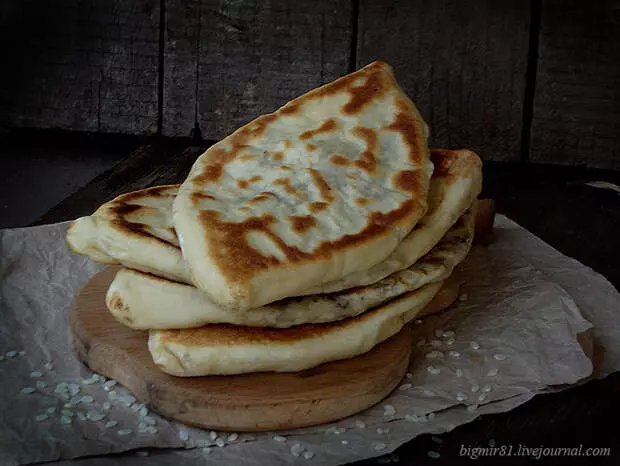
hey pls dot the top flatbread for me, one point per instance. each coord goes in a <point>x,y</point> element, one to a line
<point>326,186</point>
<point>134,229</point>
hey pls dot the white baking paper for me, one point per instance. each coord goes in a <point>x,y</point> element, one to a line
<point>514,337</point>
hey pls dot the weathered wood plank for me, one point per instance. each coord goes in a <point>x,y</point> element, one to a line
<point>88,65</point>
<point>180,66</point>
<point>576,118</point>
<point>255,56</point>
<point>152,165</point>
<point>462,62</point>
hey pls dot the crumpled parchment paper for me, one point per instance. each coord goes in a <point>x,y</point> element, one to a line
<point>510,337</point>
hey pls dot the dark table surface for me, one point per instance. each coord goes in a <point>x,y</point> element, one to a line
<point>552,202</point>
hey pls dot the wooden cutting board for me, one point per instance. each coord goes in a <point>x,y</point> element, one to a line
<point>252,402</point>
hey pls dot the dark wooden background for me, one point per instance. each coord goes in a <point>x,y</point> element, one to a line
<point>516,80</point>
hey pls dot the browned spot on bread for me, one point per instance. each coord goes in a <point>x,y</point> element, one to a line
<point>255,179</point>
<point>316,207</point>
<point>288,187</point>
<point>322,185</point>
<point>279,156</point>
<point>117,303</point>
<point>244,209</point>
<point>246,157</point>
<point>196,197</point>
<point>368,160</point>
<point>450,164</point>
<point>408,180</point>
<point>285,168</point>
<point>264,196</point>
<point>243,184</point>
<point>410,129</point>
<point>341,160</point>
<point>327,127</point>
<point>362,201</point>
<point>311,147</point>
<point>374,87</point>
<point>303,223</point>
<point>288,144</point>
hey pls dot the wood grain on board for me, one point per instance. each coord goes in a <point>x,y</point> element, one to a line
<point>463,63</point>
<point>255,56</point>
<point>576,116</point>
<point>87,66</point>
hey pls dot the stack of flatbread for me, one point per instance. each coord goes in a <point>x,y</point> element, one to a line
<point>309,235</point>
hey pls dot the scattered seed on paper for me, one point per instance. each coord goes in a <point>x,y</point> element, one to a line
<point>438,333</point>
<point>475,388</point>
<point>36,374</point>
<point>482,397</point>
<point>49,366</point>
<point>220,442</point>
<point>474,345</point>
<point>28,390</point>
<point>430,416</point>
<point>380,446</point>
<point>22,353</point>
<point>436,343</point>
<point>434,355</point>
<point>51,410</point>
<point>65,420</point>
<point>41,417</point>
<point>459,373</point>
<point>389,410</point>
<point>296,449</point>
<point>499,356</point>
<point>405,386</point>
<point>433,370</point>
<point>344,442</point>
<point>40,384</point>
<point>448,334</point>
<point>486,388</point>
<point>492,373</point>
<point>461,396</point>
<point>279,438</point>
<point>437,440</point>
<point>409,375</point>
<point>233,437</point>
<point>472,408</point>
<point>213,435</point>
<point>360,424</point>
<point>454,354</point>
<point>94,416</point>
<point>111,424</point>
<point>123,432</point>
<point>184,435</point>
<point>450,341</point>
<point>339,430</point>
<point>433,454</point>
<point>308,455</point>
<point>428,392</point>
<point>11,354</point>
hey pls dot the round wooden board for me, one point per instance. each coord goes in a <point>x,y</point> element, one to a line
<point>252,402</point>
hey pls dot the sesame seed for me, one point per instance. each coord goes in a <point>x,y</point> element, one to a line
<point>233,437</point>
<point>28,390</point>
<point>40,384</point>
<point>296,449</point>
<point>405,386</point>
<point>482,397</point>
<point>106,406</point>
<point>344,442</point>
<point>149,421</point>
<point>22,353</point>
<point>379,446</point>
<point>454,354</point>
<point>434,355</point>
<point>428,392</point>
<point>124,432</point>
<point>213,435</point>
<point>41,417</point>
<point>143,411</point>
<point>438,333</point>
<point>184,435</point>
<point>433,370</point>
<point>110,383</point>
<point>86,399</point>
<point>463,297</point>
<point>51,410</point>
<point>431,416</point>
<point>460,396</point>
<point>474,345</point>
<point>339,430</point>
<point>499,356</point>
<point>486,388</point>
<point>437,440</point>
<point>94,416</point>
<point>472,408</point>
<point>279,438</point>
<point>65,420</point>
<point>475,388</point>
<point>36,374</point>
<point>308,455</point>
<point>360,424</point>
<point>389,410</point>
<point>49,366</point>
<point>418,321</point>
<point>11,354</point>
<point>433,454</point>
<point>436,343</point>
<point>80,415</point>
<point>459,373</point>
<point>492,373</point>
<point>111,424</point>
<point>448,334</point>
<point>66,412</point>
<point>152,430</point>
<point>411,418</point>
<point>409,375</point>
<point>450,341</point>
<point>143,453</point>
<point>73,388</point>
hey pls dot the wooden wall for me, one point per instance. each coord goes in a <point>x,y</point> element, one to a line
<point>533,80</point>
